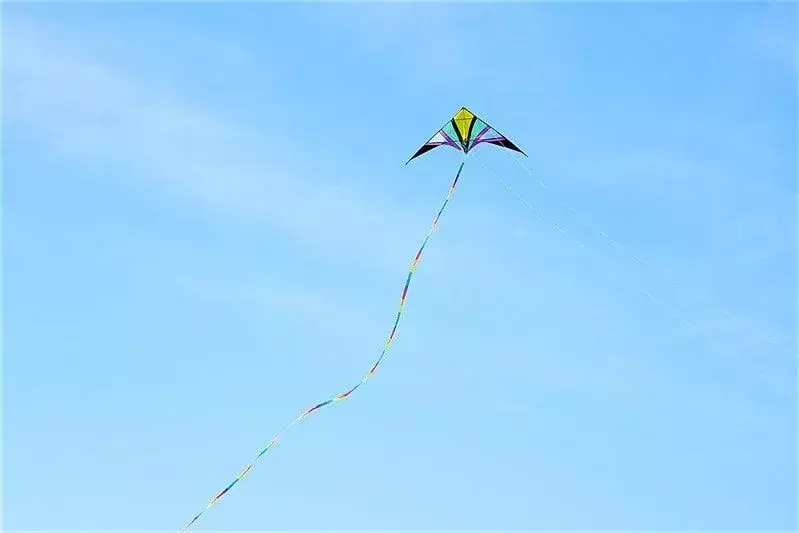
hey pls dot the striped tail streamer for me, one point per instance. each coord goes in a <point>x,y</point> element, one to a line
<point>274,441</point>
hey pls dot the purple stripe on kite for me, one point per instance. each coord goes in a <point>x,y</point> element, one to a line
<point>485,130</point>
<point>477,139</point>
<point>450,141</point>
<point>488,140</point>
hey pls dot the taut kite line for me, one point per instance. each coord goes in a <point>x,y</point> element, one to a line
<point>463,132</point>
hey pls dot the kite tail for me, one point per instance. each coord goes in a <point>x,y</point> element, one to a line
<point>368,375</point>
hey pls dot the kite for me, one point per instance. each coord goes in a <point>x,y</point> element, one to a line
<point>463,132</point>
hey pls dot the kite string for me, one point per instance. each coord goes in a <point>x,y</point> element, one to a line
<point>368,375</point>
<point>675,314</point>
<point>618,246</point>
<point>579,243</point>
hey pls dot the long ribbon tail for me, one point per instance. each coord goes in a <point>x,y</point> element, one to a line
<point>368,375</point>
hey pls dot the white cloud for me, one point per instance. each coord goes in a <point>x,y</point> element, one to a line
<point>132,128</point>
<point>86,111</point>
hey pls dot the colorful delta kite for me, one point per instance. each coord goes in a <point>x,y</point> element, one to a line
<point>469,132</point>
<point>463,132</point>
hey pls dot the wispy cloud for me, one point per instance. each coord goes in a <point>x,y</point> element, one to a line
<point>132,128</point>
<point>87,110</point>
<point>84,109</point>
<point>291,292</point>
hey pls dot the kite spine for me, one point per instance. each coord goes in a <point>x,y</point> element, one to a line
<point>368,375</point>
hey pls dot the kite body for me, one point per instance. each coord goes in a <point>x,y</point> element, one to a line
<point>463,132</point>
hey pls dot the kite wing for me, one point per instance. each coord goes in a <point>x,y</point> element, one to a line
<point>463,132</point>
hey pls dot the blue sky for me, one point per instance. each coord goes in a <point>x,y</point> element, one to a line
<point>208,223</point>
